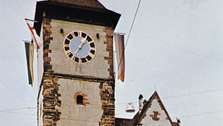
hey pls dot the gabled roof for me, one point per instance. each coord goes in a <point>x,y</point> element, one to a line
<point>84,3</point>
<point>140,115</point>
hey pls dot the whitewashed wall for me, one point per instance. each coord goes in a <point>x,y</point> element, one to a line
<point>79,115</point>
<point>148,121</point>
<point>97,67</point>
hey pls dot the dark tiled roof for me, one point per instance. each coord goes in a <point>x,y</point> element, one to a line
<point>83,3</point>
<point>175,124</point>
<point>82,11</point>
<point>123,122</point>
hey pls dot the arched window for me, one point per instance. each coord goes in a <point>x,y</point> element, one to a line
<point>80,100</point>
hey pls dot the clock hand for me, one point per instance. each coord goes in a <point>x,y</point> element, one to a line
<point>76,51</point>
<point>79,47</point>
<point>82,42</point>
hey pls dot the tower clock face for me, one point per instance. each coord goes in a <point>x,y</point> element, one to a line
<point>79,47</point>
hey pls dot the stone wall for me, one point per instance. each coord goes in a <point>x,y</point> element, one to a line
<point>108,104</point>
<point>63,79</point>
<point>60,109</point>
<point>51,101</point>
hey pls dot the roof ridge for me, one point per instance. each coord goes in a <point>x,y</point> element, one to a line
<point>83,3</point>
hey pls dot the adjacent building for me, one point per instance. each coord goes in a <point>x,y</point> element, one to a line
<point>152,113</point>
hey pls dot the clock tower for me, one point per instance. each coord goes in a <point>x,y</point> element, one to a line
<point>77,87</point>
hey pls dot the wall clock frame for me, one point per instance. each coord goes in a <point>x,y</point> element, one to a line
<point>79,47</point>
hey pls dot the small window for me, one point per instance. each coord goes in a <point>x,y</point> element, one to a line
<point>80,100</point>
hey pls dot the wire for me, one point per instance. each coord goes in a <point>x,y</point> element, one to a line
<point>179,96</point>
<point>129,33</point>
<point>133,22</point>
<point>202,114</point>
<point>17,109</point>
<point>194,93</point>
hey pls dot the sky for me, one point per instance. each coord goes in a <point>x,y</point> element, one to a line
<point>175,48</point>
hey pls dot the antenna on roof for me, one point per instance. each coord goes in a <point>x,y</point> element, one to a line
<point>140,102</point>
<point>178,121</point>
<point>130,108</point>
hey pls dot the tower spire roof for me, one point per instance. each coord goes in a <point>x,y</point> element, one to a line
<point>84,3</point>
<point>82,11</point>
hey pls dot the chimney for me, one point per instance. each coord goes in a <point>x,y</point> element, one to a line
<point>178,122</point>
<point>140,102</point>
<point>130,108</point>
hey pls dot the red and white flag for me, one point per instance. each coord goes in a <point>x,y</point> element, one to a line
<point>34,56</point>
<point>35,37</point>
<point>120,55</point>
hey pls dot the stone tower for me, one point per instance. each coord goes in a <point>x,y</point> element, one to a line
<point>77,87</point>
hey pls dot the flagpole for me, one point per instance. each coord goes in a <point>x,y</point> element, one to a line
<point>31,30</point>
<point>31,20</point>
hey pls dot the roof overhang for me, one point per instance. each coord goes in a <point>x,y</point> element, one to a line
<point>69,12</point>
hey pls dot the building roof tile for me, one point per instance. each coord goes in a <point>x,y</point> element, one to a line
<point>83,3</point>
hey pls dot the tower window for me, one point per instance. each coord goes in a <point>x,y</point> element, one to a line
<point>80,100</point>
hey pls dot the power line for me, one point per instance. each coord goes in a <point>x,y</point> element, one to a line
<point>130,31</point>
<point>17,109</point>
<point>133,22</point>
<point>194,93</point>
<point>202,114</point>
<point>182,95</point>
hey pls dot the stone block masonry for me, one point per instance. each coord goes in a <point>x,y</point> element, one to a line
<point>51,101</point>
<point>59,90</point>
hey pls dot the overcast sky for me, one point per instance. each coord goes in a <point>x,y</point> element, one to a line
<point>176,48</point>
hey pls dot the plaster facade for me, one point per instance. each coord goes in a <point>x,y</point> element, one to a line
<point>88,114</point>
<point>155,116</point>
<point>61,64</point>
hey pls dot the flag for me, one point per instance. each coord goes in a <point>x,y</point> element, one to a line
<point>34,54</point>
<point>120,55</point>
<point>35,37</point>
<point>29,58</point>
<point>32,58</point>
